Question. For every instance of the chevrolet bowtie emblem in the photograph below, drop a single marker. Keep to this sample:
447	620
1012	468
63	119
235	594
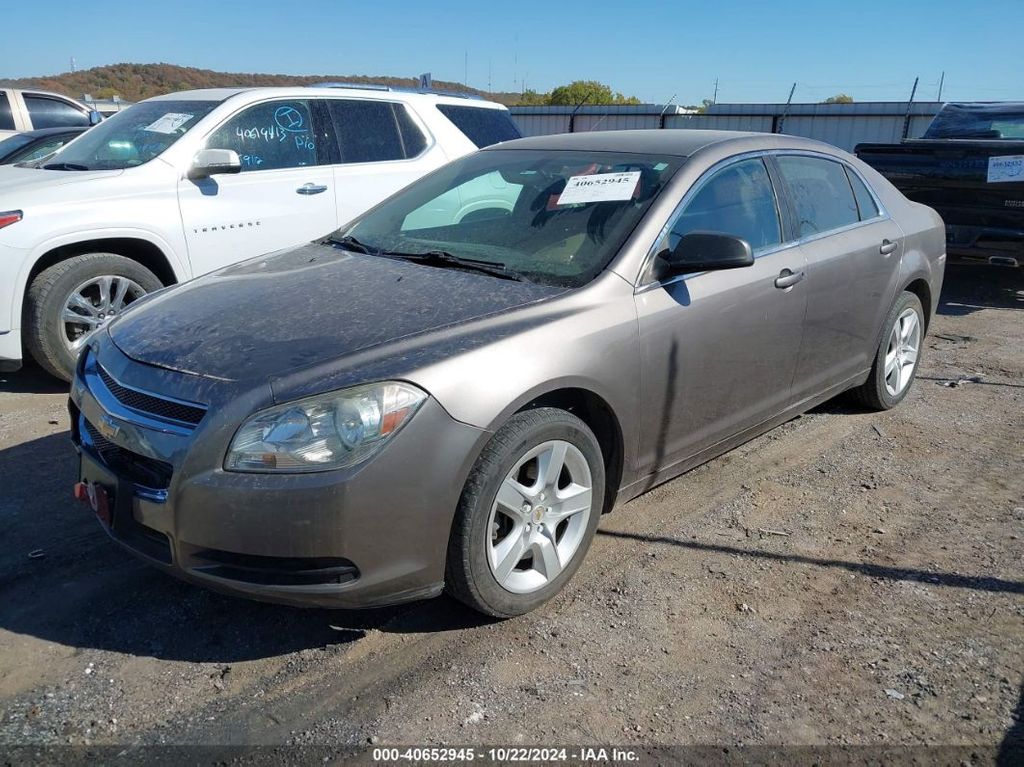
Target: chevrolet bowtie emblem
108	427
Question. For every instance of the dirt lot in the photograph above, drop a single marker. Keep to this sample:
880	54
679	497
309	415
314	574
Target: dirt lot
891	610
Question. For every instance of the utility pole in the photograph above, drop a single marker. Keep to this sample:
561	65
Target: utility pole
942	80
777	128
74	64
906	120
714	99
465	72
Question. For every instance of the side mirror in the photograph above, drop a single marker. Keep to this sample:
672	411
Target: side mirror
209	162
706	252
95	118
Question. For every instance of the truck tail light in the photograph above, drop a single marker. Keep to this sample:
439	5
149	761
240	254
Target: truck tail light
9	217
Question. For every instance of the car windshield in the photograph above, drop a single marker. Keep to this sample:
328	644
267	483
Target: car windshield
13	143
132	137
552	217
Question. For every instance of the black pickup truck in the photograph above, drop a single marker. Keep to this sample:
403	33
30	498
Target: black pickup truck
968	166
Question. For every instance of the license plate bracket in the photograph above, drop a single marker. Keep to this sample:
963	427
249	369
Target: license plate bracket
98	489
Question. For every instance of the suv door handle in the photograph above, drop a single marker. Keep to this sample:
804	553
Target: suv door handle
887	247
788	278
311	188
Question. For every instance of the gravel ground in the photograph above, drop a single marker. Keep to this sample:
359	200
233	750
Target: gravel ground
849	578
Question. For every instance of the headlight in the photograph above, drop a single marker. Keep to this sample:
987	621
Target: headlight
329	431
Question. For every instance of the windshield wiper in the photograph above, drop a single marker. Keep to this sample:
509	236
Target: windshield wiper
348	242
65	166
444	259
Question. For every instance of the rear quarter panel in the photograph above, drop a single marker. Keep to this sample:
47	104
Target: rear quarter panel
924	236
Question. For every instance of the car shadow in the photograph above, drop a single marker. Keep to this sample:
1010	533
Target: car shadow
63	580
967	289
31	379
953	580
1011	748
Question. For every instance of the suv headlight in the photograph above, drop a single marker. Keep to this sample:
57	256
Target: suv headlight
329	431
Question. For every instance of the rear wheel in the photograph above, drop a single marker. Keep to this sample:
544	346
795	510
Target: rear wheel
897	357
72	299
527	515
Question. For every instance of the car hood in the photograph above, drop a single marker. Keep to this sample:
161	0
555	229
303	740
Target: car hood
270	316
25	180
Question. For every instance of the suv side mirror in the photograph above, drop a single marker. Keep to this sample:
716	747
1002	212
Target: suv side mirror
95	118
706	252
209	162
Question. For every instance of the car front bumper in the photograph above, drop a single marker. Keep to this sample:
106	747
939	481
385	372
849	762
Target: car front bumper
370	535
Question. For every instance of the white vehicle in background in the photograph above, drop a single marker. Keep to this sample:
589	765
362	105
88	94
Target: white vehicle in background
25	110
183	184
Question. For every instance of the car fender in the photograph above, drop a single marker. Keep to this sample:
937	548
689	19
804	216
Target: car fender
178	264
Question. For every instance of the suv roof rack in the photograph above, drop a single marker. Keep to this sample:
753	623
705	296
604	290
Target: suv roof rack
398	89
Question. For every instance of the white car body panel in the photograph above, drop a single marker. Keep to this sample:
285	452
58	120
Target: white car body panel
202	225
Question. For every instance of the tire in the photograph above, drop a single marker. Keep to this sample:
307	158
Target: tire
482	527
45	331
874	393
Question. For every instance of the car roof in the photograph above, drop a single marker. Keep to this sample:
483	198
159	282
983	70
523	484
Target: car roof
327	90
671	142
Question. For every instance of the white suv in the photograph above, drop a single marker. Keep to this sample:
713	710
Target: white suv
182	184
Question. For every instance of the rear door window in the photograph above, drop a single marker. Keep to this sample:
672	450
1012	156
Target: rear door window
49	112
822	196
273	135
481	125
865	202
374	131
6	117
738	200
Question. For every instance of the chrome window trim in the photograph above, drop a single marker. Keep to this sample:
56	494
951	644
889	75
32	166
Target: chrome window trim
883	213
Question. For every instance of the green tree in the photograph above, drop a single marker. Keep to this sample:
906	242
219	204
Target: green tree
532	98
840	98
588	92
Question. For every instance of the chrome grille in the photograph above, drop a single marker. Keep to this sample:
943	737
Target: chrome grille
151	404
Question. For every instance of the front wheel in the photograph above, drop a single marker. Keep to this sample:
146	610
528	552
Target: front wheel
897	357
527	515
72	299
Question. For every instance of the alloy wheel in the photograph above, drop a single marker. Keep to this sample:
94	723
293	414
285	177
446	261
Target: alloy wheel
93	304
902	351
539	516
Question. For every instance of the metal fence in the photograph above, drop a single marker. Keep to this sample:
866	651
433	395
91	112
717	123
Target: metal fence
843	125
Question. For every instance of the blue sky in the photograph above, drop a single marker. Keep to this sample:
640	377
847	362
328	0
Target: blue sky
870	49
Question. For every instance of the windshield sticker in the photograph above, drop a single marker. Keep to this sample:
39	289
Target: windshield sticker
1009	167
169	123
602	187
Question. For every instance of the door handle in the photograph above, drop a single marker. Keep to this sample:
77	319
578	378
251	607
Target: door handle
311	188
887	247
788	278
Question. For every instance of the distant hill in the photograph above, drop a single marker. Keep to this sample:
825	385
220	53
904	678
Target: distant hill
134	82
